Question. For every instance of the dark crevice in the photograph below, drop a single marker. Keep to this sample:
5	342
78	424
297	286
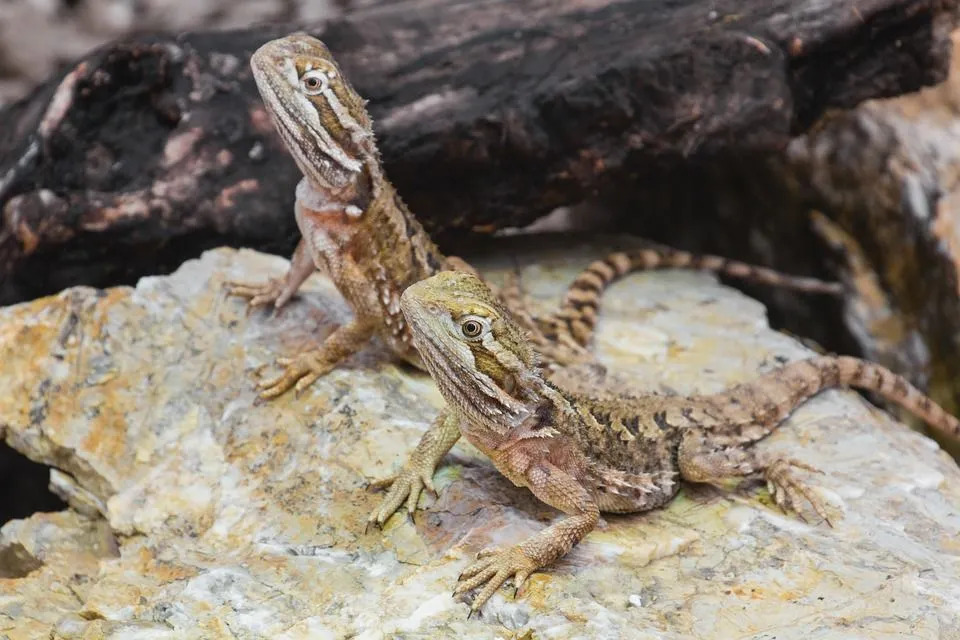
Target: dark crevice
24	485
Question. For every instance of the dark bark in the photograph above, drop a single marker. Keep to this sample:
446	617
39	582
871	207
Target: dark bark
489	114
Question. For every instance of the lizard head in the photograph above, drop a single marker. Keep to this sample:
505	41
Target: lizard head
322	120
475	351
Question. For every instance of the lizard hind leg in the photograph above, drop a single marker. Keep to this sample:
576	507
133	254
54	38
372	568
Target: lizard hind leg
701	460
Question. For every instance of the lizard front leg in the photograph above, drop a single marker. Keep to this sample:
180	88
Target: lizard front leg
559	489
417	474
276	291
303	370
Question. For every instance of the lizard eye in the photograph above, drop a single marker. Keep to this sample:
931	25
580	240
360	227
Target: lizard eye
314	81
471	327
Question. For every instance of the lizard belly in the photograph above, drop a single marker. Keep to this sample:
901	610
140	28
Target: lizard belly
617	491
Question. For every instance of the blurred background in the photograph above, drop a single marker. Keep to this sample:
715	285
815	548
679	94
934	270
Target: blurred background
37	36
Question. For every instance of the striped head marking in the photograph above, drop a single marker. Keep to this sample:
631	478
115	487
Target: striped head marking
322	120
474	350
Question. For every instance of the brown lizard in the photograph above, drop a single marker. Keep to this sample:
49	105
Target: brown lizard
357	230
586	453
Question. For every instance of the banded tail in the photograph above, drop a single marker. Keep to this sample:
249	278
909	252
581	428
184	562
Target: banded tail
553	347
767	401
578	312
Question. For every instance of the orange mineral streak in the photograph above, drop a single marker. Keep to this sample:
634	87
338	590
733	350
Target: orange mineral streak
58	344
28	237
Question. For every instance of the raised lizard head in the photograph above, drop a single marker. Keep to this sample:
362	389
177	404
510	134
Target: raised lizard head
474	350
321	119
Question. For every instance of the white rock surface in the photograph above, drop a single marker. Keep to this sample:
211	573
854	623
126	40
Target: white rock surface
199	514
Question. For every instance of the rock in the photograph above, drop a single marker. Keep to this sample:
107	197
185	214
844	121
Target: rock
222	518
887	174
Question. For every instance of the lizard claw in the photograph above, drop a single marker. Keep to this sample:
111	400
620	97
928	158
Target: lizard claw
492	568
271	292
299	373
788	491
405	486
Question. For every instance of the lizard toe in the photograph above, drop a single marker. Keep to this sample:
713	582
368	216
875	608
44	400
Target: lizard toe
382	483
299	373
492	570
405	486
789	491
258	295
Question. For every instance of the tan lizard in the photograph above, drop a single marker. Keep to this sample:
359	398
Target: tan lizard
586	453
355	227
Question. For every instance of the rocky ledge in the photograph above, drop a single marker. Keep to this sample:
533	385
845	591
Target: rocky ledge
196	512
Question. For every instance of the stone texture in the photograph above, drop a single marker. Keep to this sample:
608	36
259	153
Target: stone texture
888	173
197	513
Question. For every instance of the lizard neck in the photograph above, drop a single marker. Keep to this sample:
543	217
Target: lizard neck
380	214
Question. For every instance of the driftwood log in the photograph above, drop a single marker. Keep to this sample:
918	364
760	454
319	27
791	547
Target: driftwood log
489	114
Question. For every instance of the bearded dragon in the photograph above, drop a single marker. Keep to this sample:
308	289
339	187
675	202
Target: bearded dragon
586	453
357	230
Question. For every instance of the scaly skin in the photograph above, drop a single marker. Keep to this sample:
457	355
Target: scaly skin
353	224
586	453
577	317
357	230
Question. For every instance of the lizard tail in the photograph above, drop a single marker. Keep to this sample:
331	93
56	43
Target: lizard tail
578	311
766	402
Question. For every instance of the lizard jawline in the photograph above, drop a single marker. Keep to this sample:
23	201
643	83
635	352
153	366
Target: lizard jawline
497	412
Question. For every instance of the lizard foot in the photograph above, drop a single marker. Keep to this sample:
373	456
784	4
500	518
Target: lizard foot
492	568
299	372
788	491
272	292
406	485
